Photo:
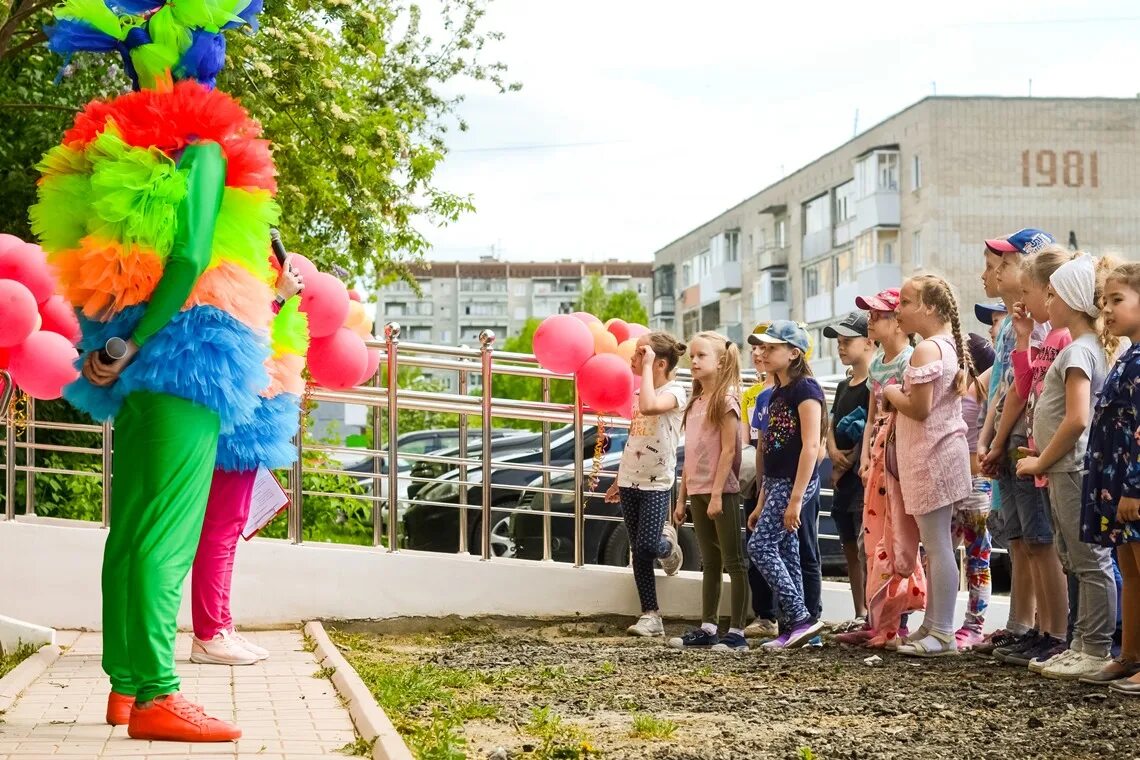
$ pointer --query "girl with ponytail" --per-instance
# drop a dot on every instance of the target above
(933, 455)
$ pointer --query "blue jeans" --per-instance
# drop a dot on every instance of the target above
(811, 570)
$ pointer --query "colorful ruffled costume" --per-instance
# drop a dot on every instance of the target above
(156, 211)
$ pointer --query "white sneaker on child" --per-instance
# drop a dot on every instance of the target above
(261, 652)
(647, 626)
(672, 563)
(1078, 665)
(221, 650)
(1038, 666)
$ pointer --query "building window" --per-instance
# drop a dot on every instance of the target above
(732, 246)
(888, 171)
(782, 233)
(817, 214)
(887, 252)
(877, 172)
(845, 202)
(811, 282)
(916, 249)
(689, 273)
(520, 289)
(916, 172)
(704, 265)
(779, 287)
(844, 271)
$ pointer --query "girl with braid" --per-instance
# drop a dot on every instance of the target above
(934, 457)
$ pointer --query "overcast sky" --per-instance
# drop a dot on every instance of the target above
(638, 121)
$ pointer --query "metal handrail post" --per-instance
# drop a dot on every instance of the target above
(392, 336)
(546, 554)
(463, 543)
(9, 447)
(295, 526)
(377, 474)
(30, 459)
(108, 451)
(579, 485)
(486, 344)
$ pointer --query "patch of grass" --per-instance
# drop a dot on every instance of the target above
(310, 644)
(324, 673)
(470, 633)
(358, 748)
(436, 738)
(607, 668)
(805, 753)
(400, 687)
(9, 660)
(558, 741)
(704, 672)
(649, 727)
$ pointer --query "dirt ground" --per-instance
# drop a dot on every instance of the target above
(576, 689)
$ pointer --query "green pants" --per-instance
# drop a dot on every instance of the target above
(721, 552)
(164, 455)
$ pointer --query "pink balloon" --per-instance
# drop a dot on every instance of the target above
(60, 318)
(43, 364)
(618, 328)
(338, 361)
(636, 331)
(304, 267)
(27, 265)
(18, 313)
(562, 343)
(354, 295)
(586, 317)
(325, 300)
(5, 355)
(373, 365)
(603, 383)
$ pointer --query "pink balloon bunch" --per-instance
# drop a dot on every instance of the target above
(38, 329)
(338, 326)
(598, 354)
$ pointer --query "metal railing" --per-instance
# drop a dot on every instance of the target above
(385, 401)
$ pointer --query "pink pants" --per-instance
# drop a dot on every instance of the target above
(226, 513)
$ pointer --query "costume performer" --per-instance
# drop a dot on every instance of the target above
(156, 211)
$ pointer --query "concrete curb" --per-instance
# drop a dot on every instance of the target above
(15, 632)
(370, 721)
(24, 674)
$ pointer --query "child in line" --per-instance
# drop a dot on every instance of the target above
(791, 460)
(755, 403)
(711, 480)
(896, 583)
(1110, 509)
(1061, 418)
(648, 467)
(970, 517)
(845, 445)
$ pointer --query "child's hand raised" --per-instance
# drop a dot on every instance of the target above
(1022, 321)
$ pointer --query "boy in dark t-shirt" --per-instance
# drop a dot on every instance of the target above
(844, 438)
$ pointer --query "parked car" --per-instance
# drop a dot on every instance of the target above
(432, 527)
(606, 541)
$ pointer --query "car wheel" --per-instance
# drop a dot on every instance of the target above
(690, 550)
(616, 552)
(502, 544)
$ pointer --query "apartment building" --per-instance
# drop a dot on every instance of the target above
(460, 299)
(917, 192)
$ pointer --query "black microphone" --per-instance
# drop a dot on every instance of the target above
(113, 350)
(278, 246)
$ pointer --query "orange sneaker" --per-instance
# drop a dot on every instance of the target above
(173, 718)
(119, 708)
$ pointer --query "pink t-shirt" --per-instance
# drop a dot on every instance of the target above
(702, 448)
(1030, 368)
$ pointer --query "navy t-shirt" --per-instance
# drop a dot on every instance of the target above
(783, 441)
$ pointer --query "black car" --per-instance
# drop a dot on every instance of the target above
(606, 540)
(435, 526)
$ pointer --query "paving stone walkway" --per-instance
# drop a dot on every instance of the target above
(285, 713)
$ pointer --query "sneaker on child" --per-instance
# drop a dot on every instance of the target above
(731, 642)
(996, 640)
(802, 632)
(221, 650)
(1045, 648)
(698, 638)
(1079, 665)
(968, 638)
(1039, 665)
(1044, 659)
(261, 652)
(1026, 640)
(761, 629)
(647, 626)
(672, 563)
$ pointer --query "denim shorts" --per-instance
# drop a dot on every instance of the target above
(1024, 510)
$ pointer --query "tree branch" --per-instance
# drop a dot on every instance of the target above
(39, 107)
(25, 12)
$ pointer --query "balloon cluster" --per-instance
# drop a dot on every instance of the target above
(597, 354)
(38, 329)
(338, 327)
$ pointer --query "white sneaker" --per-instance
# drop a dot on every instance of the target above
(762, 629)
(647, 626)
(672, 563)
(1038, 666)
(261, 652)
(221, 650)
(1079, 665)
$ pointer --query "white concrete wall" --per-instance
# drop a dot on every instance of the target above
(52, 568)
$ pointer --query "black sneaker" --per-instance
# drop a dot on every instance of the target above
(698, 638)
(996, 640)
(1025, 641)
(1046, 647)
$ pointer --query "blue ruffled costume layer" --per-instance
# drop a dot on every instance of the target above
(203, 355)
(266, 440)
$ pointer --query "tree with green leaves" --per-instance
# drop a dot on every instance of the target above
(625, 304)
(356, 97)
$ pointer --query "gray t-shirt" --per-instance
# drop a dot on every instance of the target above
(1084, 355)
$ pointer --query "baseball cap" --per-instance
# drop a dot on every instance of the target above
(985, 311)
(1026, 241)
(783, 331)
(981, 352)
(854, 325)
(886, 300)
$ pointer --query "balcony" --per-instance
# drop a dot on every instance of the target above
(879, 209)
(723, 279)
(664, 306)
(770, 312)
(734, 331)
(817, 243)
(819, 308)
(691, 297)
(769, 258)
